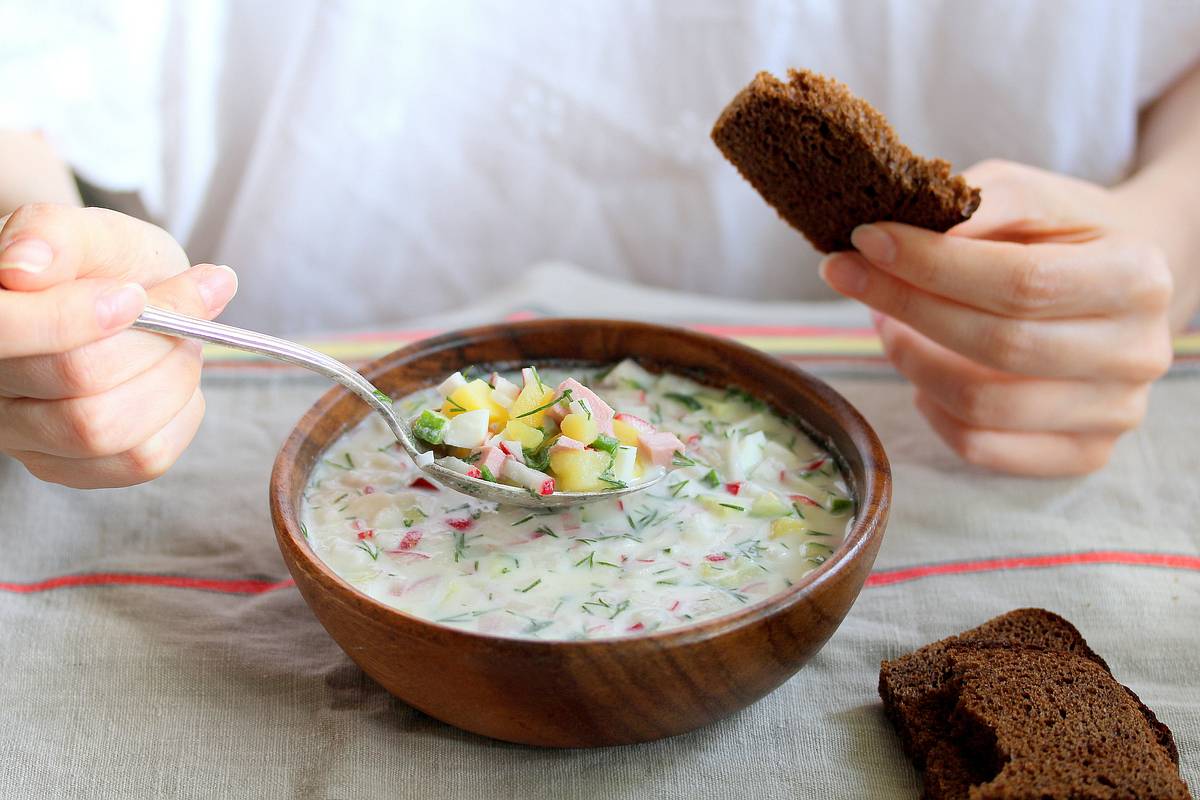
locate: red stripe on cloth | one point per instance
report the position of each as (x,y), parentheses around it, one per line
(235,586)
(877,578)
(1117,557)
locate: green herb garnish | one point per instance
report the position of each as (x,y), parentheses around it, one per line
(686,399)
(530,586)
(839,505)
(677,488)
(566,395)
(680,460)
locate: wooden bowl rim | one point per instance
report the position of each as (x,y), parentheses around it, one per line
(874,495)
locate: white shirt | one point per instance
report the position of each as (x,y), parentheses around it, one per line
(359,162)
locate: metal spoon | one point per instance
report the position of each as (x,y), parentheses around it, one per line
(166,322)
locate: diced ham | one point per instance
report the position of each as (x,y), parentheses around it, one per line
(492,458)
(565,443)
(602,413)
(526,477)
(659,447)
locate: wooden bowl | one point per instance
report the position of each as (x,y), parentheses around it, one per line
(601,692)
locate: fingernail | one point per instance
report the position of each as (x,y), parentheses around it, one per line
(120,306)
(845,273)
(217,285)
(27,255)
(874,243)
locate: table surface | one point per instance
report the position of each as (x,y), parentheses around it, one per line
(154,646)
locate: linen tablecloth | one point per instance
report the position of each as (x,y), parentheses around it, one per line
(153,646)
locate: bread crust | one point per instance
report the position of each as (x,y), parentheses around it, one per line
(963,752)
(827,161)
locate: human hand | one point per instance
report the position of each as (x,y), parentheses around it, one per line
(83,401)
(1033,331)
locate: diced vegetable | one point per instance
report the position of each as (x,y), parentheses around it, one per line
(580,470)
(629,374)
(468,429)
(625,433)
(430,426)
(785,526)
(711,479)
(504,385)
(769,504)
(743,454)
(624,467)
(579,427)
(472,397)
(529,437)
(455,382)
(503,400)
(721,507)
(514,472)
(530,405)
(608,444)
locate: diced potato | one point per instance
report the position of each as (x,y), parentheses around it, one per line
(531,397)
(721,507)
(518,431)
(579,470)
(769,504)
(785,526)
(625,432)
(474,396)
(579,427)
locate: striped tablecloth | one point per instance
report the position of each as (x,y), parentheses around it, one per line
(154,646)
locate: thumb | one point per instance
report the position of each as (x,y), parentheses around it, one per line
(66,316)
(1024,204)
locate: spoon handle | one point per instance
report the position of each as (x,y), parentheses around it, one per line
(160,320)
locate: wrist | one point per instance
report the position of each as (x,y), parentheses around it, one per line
(1158,204)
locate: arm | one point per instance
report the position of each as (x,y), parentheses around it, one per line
(33,173)
(1166,187)
(1034,331)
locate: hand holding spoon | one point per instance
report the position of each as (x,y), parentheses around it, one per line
(171,324)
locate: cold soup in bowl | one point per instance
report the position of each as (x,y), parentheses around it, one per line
(749,506)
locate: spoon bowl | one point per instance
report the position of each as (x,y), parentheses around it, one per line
(158,320)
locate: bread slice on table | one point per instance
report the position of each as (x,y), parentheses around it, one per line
(827,161)
(1022,707)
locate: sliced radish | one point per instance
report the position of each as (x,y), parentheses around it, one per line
(452,384)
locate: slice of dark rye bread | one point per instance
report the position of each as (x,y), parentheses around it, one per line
(1049,680)
(827,161)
